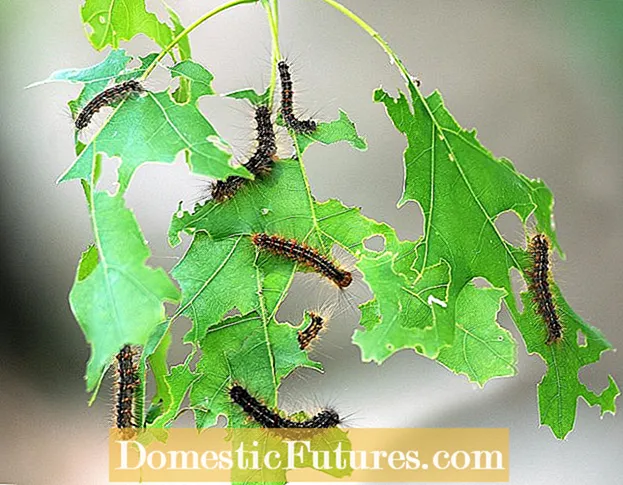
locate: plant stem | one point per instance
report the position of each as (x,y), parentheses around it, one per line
(273,19)
(375,35)
(188,30)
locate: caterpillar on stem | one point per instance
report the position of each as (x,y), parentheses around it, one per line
(259,164)
(287,103)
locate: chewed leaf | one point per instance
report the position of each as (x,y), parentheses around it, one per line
(560,388)
(249,351)
(114,21)
(406,314)
(154,128)
(94,78)
(462,188)
(253,97)
(205,275)
(221,250)
(116,298)
(342,129)
(482,349)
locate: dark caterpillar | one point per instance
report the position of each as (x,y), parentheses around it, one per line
(538,249)
(259,164)
(287,96)
(267,418)
(126,384)
(107,97)
(305,337)
(303,254)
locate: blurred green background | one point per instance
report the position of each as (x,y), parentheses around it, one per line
(540,80)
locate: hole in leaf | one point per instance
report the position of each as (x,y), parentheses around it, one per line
(582,342)
(375,243)
(481,283)
(518,285)
(510,226)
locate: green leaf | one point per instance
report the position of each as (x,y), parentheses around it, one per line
(462,189)
(247,350)
(342,129)
(205,275)
(94,78)
(154,128)
(560,388)
(482,349)
(199,76)
(113,21)
(117,299)
(253,97)
(178,381)
(406,314)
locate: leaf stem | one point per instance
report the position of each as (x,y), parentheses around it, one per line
(272,10)
(375,35)
(188,30)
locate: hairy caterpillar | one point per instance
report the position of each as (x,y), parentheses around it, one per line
(127,381)
(306,336)
(538,249)
(287,95)
(260,162)
(303,254)
(267,418)
(106,98)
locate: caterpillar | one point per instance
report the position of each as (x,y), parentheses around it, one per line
(106,98)
(127,381)
(305,255)
(306,336)
(538,249)
(287,95)
(267,418)
(260,162)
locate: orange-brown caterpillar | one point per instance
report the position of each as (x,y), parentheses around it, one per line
(259,164)
(306,336)
(107,97)
(267,418)
(287,110)
(305,255)
(127,382)
(538,249)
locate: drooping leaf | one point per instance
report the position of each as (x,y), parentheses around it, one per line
(113,21)
(560,388)
(462,189)
(116,298)
(154,128)
(95,78)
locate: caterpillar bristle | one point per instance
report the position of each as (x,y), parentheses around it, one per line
(259,164)
(539,274)
(311,332)
(287,103)
(305,255)
(267,418)
(107,97)
(126,383)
